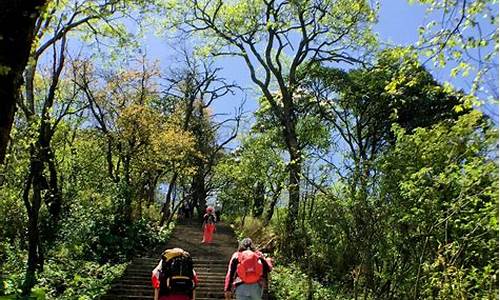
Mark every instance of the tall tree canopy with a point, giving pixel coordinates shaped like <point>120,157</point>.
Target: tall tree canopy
<point>362,169</point>
<point>275,39</point>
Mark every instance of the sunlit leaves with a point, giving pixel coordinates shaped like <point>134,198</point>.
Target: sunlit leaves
<point>463,33</point>
<point>153,141</point>
<point>442,182</point>
<point>137,123</point>
<point>255,162</point>
<point>239,22</point>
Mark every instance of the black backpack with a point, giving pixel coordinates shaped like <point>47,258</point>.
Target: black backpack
<point>176,275</point>
<point>211,219</point>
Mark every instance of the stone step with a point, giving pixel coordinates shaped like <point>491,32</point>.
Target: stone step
<point>196,263</point>
<point>210,263</point>
<point>136,267</point>
<point>196,266</point>
<point>201,277</point>
<point>150,293</point>
<point>199,270</point>
<point>147,291</point>
<point>148,284</point>
<point>135,297</point>
<point>149,274</point>
<point>207,276</point>
<point>155,260</point>
<point>201,287</point>
<point>201,263</point>
<point>115,287</point>
<point>133,290</point>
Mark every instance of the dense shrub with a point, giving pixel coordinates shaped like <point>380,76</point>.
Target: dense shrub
<point>255,229</point>
<point>11,268</point>
<point>292,284</point>
<point>69,279</point>
<point>91,249</point>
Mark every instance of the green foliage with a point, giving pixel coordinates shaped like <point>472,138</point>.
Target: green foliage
<point>456,29</point>
<point>255,162</point>
<point>312,130</point>
<point>93,231</point>
<point>363,103</point>
<point>91,242</point>
<point>327,240</point>
<point>247,20</point>
<point>154,141</point>
<point>410,212</point>
<point>255,229</point>
<point>293,284</point>
<point>13,212</point>
<point>66,278</point>
<point>430,224</point>
<point>443,186</point>
<point>11,268</point>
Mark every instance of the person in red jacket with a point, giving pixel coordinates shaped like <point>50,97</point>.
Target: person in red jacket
<point>160,277</point>
<point>208,226</point>
<point>247,273</point>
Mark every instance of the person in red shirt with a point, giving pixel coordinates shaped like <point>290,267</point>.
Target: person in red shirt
<point>208,226</point>
<point>247,273</point>
<point>159,293</point>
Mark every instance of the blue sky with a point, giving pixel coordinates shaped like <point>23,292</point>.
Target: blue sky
<point>398,25</point>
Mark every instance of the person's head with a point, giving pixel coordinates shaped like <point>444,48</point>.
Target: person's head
<point>246,244</point>
<point>210,210</point>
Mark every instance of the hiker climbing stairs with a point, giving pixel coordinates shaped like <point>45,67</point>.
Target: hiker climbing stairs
<point>210,263</point>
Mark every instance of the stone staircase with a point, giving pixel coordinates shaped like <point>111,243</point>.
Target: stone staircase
<point>210,263</point>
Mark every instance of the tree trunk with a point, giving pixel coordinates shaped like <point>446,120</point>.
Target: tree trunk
<point>152,189</point>
<point>288,122</point>
<point>54,198</point>
<point>174,210</point>
<point>35,179</point>
<point>33,239</point>
<point>201,201</point>
<point>109,159</point>
<point>187,117</point>
<point>17,22</point>
<point>259,197</point>
<point>199,192</point>
<point>127,192</point>
<point>270,209</point>
<point>8,89</point>
<point>295,167</point>
<point>165,210</point>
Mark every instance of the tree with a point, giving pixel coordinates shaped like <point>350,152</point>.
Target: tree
<point>279,38</point>
<point>360,105</point>
<point>17,23</point>
<point>152,145</point>
<point>252,178</point>
<point>439,187</point>
<point>144,142</point>
<point>193,88</point>
<point>51,33</point>
<point>22,22</point>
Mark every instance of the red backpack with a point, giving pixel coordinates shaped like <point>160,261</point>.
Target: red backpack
<point>249,268</point>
